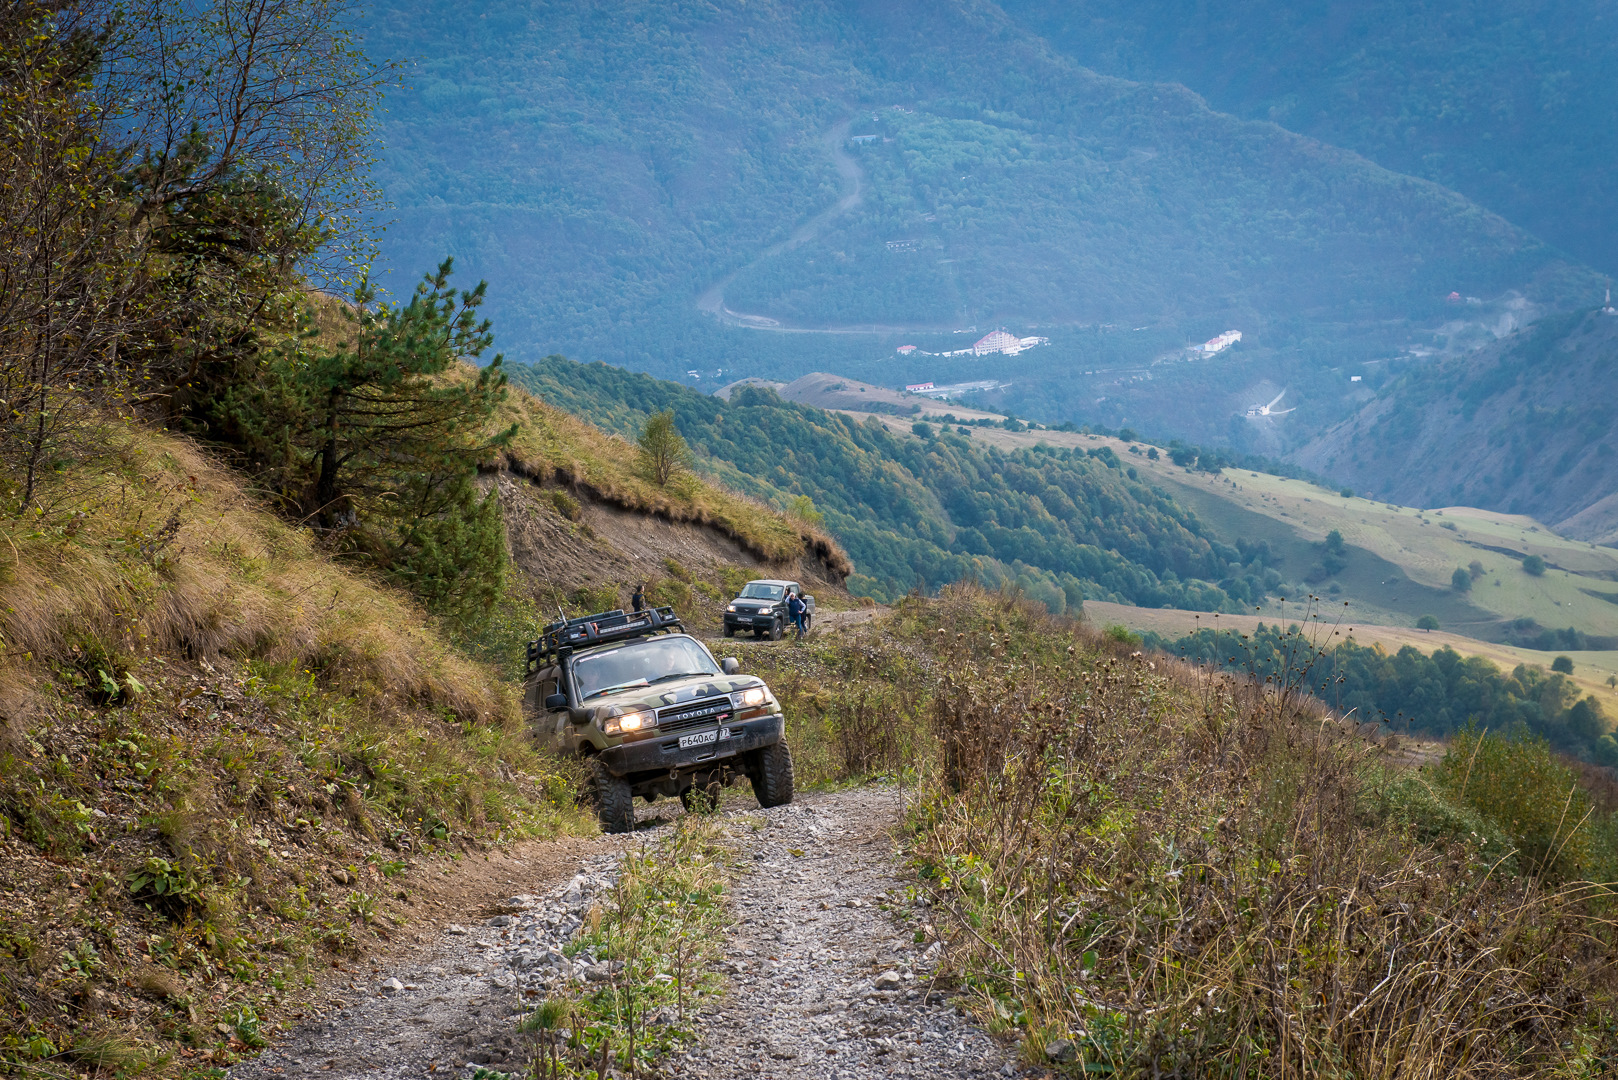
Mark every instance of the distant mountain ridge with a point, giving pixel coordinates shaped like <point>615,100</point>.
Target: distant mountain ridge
<point>1508,101</point>
<point>606,165</point>
<point>1528,425</point>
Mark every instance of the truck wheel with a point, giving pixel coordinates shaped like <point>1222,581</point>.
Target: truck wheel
<point>775,630</point>
<point>772,775</point>
<point>614,802</point>
<point>730,631</point>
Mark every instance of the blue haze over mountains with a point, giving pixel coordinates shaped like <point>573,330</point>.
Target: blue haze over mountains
<point>605,166</point>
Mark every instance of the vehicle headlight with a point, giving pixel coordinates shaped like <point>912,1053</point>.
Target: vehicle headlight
<point>730,607</point>
<point>629,721</point>
<point>749,698</point>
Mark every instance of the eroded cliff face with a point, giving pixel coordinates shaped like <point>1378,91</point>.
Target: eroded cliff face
<point>1528,425</point>
<point>563,542</point>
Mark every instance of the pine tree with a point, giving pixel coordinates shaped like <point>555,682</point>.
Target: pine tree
<point>376,441</point>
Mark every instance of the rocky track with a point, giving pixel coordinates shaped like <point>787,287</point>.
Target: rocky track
<point>827,977</point>
<point>828,980</point>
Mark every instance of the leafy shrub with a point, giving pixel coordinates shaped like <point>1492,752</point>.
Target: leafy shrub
<point>1121,634</point>
<point>1427,622</point>
<point>1534,565</point>
<point>1562,665</point>
<point>802,508</point>
<point>1460,581</point>
<point>166,887</point>
<point>1534,798</point>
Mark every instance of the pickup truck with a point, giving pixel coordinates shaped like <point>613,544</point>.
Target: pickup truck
<point>762,608</point>
<point>651,713</point>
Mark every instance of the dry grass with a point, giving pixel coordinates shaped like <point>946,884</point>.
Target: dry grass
<point>166,554</point>
<point>1178,872</point>
<point>227,753</point>
<point>554,446</point>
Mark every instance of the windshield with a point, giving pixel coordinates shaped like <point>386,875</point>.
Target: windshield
<point>641,664</point>
<point>757,590</point>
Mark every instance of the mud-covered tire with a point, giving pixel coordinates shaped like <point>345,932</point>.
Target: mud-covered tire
<point>772,775</point>
<point>775,630</point>
<point>730,631</point>
<point>614,803</point>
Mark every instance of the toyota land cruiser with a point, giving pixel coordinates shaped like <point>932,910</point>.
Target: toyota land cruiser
<point>653,714</point>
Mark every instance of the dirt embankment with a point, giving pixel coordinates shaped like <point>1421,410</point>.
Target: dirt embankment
<point>562,539</point>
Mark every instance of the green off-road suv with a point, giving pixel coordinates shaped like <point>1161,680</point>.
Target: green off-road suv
<point>652,713</point>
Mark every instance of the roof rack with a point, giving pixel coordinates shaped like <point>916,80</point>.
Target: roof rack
<point>602,628</point>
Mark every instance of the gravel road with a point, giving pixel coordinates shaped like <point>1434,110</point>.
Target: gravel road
<point>826,978</point>
<point>827,981</point>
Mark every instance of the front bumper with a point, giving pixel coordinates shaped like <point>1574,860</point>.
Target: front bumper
<point>656,754</point>
<point>749,622</point>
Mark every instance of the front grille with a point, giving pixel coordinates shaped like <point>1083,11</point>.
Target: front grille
<point>693,714</point>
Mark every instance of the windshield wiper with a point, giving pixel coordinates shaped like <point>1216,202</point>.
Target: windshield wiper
<point>617,686</point>
<point>679,675</point>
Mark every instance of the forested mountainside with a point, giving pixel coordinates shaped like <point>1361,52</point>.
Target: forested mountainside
<point>1528,426</point>
<point>1509,102</point>
<point>615,164</point>
<point>922,510</point>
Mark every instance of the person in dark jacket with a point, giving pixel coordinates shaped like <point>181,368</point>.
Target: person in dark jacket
<point>796,608</point>
<point>638,601</point>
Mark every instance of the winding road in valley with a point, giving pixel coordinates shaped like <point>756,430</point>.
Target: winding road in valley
<point>712,301</point>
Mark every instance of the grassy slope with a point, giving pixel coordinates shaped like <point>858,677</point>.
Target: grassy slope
<point>199,694</point>
<point>1413,542</point>
<point>552,445</point>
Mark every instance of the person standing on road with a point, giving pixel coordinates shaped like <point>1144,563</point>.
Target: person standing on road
<point>795,608</point>
<point>638,601</point>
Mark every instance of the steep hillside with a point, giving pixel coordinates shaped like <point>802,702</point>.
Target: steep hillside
<point>1526,426</point>
<point>820,167</point>
<point>227,763</point>
<point>1506,101</point>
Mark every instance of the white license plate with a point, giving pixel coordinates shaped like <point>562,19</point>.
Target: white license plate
<point>701,738</point>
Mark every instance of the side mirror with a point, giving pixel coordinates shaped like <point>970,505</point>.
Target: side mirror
<point>553,702</point>
<point>730,665</point>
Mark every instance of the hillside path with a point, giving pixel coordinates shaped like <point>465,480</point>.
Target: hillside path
<point>826,980</point>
